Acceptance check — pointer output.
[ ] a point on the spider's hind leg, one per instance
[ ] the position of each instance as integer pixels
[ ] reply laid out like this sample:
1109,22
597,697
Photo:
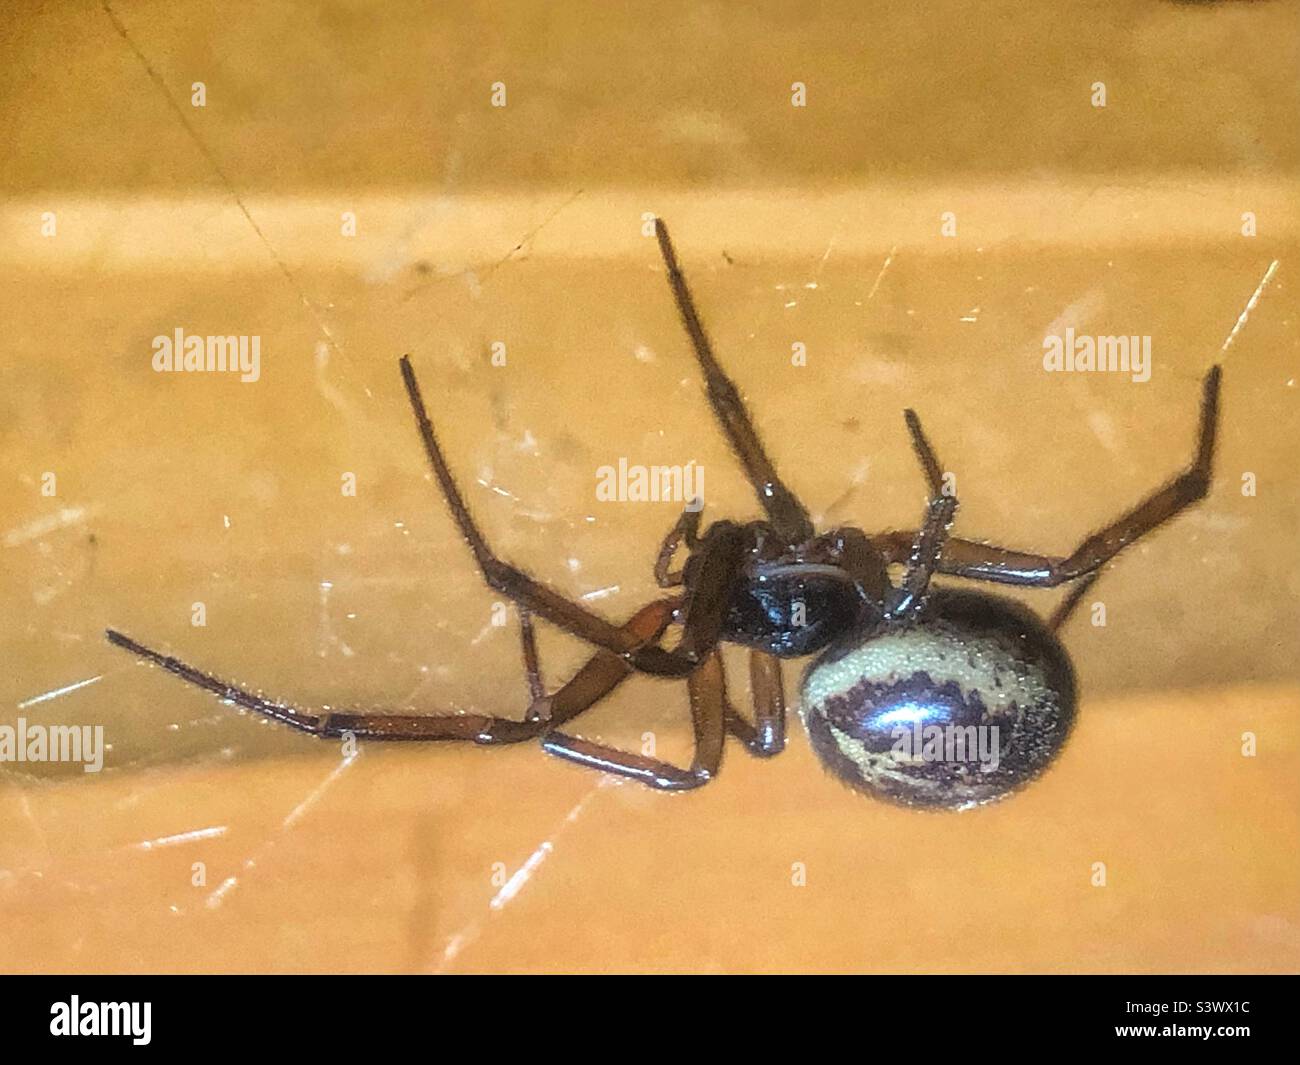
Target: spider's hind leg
1001,565
604,672
923,559
1073,598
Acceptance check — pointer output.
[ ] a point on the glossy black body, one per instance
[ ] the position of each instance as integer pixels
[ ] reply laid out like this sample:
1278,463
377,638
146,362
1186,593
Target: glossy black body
792,611
789,603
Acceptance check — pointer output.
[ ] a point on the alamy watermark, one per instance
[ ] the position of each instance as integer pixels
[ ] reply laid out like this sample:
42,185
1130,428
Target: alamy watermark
53,743
103,1018
208,354
947,743
629,483
1074,353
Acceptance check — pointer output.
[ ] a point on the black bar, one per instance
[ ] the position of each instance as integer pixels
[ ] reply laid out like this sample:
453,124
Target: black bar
364,1013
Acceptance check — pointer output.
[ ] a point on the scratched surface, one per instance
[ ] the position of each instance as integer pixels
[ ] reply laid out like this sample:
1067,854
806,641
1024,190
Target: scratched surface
177,489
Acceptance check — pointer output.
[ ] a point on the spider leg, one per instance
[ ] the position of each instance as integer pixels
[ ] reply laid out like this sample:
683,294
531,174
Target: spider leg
501,577
766,736
973,560
708,699
1075,596
532,663
685,531
720,559
862,561
595,680
924,452
927,546
786,513
704,617
1000,565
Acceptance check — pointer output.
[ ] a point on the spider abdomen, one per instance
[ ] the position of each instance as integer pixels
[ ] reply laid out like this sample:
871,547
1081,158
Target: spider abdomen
955,708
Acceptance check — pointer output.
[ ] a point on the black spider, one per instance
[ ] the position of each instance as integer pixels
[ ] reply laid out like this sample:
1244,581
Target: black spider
947,699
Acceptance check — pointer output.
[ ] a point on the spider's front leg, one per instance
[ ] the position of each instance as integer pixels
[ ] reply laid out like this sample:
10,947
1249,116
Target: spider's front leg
686,531
786,513
597,678
708,603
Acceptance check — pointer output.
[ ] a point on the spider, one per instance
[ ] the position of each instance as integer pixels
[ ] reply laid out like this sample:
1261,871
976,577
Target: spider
893,658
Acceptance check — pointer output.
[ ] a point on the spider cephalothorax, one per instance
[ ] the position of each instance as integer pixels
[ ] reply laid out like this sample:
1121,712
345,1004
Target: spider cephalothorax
948,699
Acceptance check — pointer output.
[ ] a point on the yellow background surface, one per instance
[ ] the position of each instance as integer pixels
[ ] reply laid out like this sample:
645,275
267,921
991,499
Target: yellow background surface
524,225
